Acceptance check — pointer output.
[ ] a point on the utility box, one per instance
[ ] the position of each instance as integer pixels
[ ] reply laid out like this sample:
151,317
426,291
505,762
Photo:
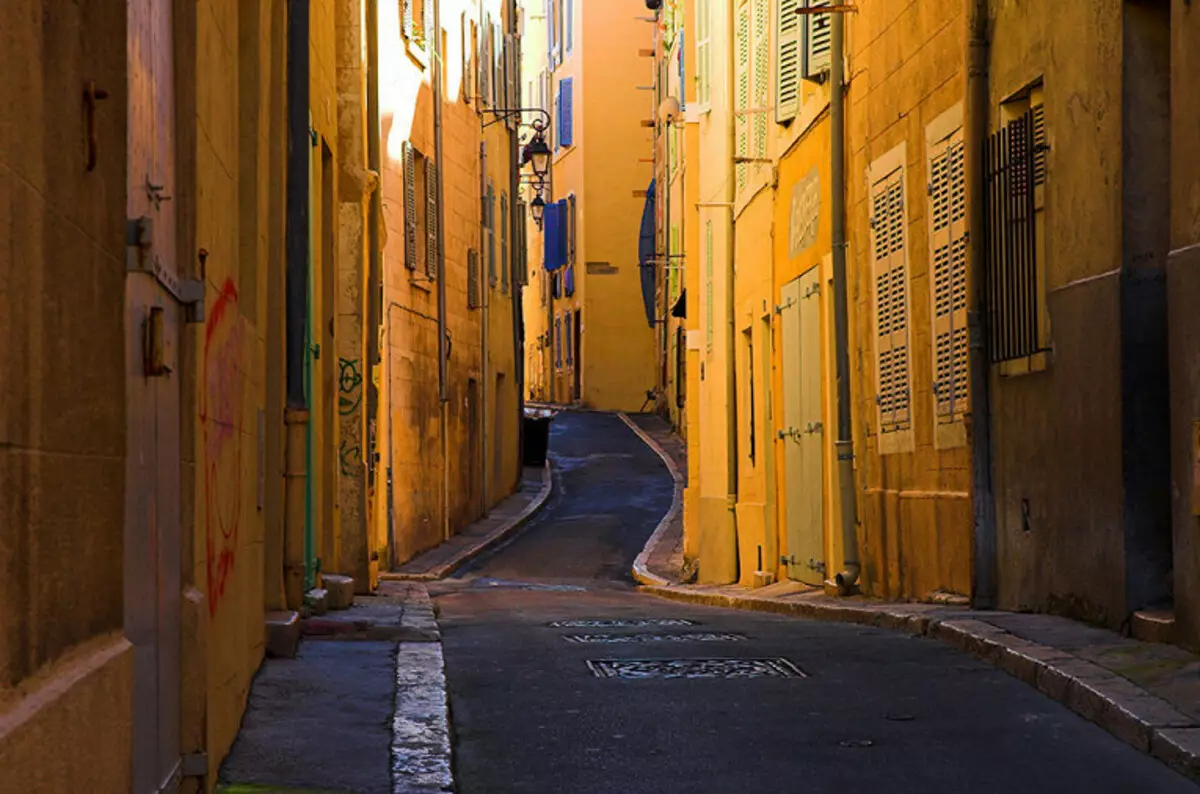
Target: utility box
535,431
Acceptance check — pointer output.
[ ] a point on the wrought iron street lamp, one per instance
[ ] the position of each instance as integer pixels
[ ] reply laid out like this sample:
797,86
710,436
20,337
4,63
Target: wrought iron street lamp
537,208
537,153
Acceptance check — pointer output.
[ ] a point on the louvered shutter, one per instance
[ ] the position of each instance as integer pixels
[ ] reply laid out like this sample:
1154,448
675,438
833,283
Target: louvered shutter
513,77
761,76
787,60
566,110
410,207
520,252
485,63
703,53
742,92
891,302
490,223
431,219
818,41
473,279
572,223
708,285
406,14
429,33
948,244
504,259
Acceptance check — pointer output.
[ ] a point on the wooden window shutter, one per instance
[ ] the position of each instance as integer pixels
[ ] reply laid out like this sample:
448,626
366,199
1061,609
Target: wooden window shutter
429,33
431,219
512,64
406,14
572,225
891,302
948,247
566,108
485,63
708,285
490,224
760,72
788,28
473,301
520,255
742,91
818,42
410,207
504,258
703,53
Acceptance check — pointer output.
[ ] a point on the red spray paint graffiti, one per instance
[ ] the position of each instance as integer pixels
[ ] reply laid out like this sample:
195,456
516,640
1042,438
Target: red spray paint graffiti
221,385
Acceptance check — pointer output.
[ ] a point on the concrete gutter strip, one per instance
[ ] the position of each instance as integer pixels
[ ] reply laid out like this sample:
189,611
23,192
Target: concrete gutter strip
420,750
641,570
496,536
1111,701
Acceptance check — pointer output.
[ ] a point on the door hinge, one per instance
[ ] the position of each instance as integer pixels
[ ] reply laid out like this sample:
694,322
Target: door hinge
139,236
780,307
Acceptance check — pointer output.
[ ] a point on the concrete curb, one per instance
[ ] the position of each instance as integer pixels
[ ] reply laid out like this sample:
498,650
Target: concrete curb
641,572
1111,701
501,533
421,752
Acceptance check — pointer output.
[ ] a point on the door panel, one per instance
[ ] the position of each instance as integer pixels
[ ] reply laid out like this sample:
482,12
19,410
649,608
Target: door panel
153,320
803,433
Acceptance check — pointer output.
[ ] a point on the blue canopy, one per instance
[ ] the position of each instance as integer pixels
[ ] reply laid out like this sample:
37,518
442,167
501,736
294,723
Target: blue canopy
646,255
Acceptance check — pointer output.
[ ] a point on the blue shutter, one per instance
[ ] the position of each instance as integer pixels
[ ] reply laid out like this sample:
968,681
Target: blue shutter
569,280
555,235
565,111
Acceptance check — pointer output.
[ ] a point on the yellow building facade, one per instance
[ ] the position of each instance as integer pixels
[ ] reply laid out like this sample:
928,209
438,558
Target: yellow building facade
597,348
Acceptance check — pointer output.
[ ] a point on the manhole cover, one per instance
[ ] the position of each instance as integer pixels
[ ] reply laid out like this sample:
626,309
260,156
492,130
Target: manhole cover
694,668
624,639
620,623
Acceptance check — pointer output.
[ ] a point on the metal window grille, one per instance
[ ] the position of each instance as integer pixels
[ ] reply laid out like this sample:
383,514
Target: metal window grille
1010,158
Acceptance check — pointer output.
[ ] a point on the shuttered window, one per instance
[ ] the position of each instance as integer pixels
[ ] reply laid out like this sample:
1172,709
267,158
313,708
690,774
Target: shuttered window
818,41
410,206
520,246
558,342
741,96
703,53
569,23
489,225
485,64
431,219
473,301
566,90
948,247
761,69
891,302
708,285
788,28
504,264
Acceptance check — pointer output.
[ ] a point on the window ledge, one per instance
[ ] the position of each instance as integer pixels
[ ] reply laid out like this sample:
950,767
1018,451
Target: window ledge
1028,365
420,281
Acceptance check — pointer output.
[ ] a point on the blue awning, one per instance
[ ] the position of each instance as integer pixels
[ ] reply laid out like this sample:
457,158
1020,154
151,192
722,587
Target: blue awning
646,256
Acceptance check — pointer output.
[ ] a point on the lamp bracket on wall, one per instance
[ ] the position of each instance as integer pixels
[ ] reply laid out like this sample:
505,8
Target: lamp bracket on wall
504,114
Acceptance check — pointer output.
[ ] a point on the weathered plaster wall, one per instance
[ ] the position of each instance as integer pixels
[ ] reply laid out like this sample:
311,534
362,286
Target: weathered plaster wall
64,664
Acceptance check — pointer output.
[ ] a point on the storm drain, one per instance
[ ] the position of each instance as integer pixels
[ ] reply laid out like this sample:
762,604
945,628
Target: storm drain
694,668
621,623
625,639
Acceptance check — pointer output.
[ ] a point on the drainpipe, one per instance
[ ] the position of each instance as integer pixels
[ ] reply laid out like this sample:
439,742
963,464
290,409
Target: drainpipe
485,313
983,585
731,438
514,187
374,303
296,416
844,445
443,346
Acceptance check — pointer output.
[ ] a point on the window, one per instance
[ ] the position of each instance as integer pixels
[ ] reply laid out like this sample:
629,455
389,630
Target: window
554,31
741,98
761,98
708,286
572,226
567,338
1014,237
469,65
417,24
565,111
504,242
558,353
751,451
788,28
420,211
890,271
569,24
703,53
489,225
948,266
431,219
818,42
473,297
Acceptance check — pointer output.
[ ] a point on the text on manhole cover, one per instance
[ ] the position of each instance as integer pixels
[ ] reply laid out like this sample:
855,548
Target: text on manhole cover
621,623
627,639
694,668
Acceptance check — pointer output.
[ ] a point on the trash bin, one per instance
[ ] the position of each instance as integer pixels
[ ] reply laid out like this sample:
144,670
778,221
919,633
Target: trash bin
535,430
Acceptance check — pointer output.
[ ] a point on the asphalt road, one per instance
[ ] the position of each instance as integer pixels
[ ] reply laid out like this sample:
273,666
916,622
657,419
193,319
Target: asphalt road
862,709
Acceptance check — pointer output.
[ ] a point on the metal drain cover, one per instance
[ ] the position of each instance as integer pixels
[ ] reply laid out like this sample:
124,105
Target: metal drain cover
625,639
694,668
621,623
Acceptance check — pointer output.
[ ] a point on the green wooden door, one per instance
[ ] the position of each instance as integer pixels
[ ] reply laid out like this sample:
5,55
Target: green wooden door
803,434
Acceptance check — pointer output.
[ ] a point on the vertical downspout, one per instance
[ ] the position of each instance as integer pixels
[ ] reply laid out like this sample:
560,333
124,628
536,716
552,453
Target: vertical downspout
374,307
296,299
731,439
485,312
844,445
443,350
514,187
983,584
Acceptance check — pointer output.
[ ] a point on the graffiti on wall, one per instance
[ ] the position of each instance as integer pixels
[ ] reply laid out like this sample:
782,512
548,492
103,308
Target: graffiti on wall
350,456
349,386
220,404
